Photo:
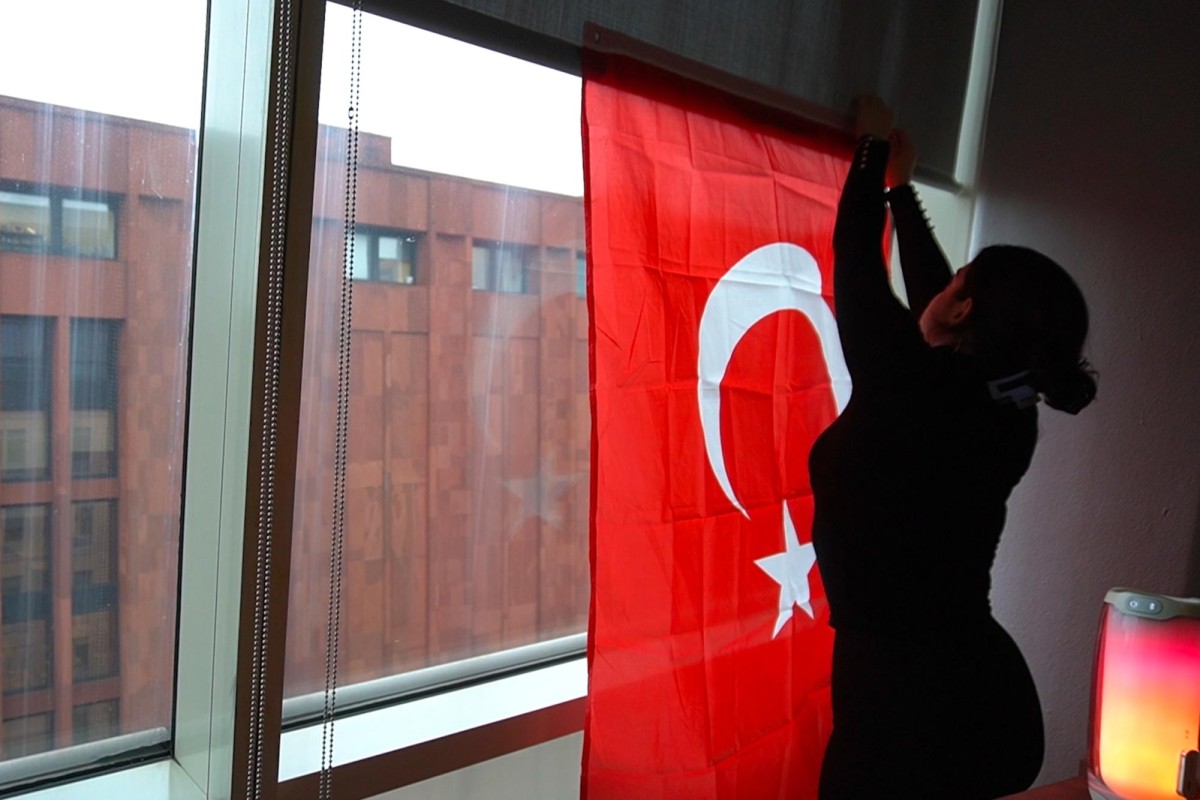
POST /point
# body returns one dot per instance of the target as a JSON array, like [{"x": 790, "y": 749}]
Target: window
[
  {"x": 26, "y": 351},
  {"x": 465, "y": 549},
  {"x": 57, "y": 221},
  {"x": 580, "y": 274},
  {"x": 25, "y": 599},
  {"x": 502, "y": 267},
  {"x": 94, "y": 590},
  {"x": 93, "y": 397},
  {"x": 27, "y": 735},
  {"x": 383, "y": 255},
  {"x": 89, "y": 228},
  {"x": 92, "y": 721},
  {"x": 24, "y": 222},
  {"x": 98, "y": 202}
]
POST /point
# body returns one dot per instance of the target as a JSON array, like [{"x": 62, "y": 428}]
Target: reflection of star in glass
[
  {"x": 540, "y": 495},
  {"x": 790, "y": 570}
]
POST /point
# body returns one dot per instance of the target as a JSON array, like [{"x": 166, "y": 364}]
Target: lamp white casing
[{"x": 1145, "y": 733}]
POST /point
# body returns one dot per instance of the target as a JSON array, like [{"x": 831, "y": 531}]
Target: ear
[{"x": 960, "y": 312}]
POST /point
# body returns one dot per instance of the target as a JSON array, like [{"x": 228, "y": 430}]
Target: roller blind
[{"x": 915, "y": 53}]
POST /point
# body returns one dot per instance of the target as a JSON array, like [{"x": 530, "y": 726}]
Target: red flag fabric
[{"x": 715, "y": 365}]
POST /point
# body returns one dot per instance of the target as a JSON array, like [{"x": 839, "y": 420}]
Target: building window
[
  {"x": 26, "y": 345},
  {"x": 502, "y": 267},
  {"x": 57, "y": 221},
  {"x": 25, "y": 598},
  {"x": 24, "y": 222},
  {"x": 25, "y": 736},
  {"x": 94, "y": 397},
  {"x": 385, "y": 255},
  {"x": 94, "y": 590},
  {"x": 91, "y": 722},
  {"x": 580, "y": 274}
]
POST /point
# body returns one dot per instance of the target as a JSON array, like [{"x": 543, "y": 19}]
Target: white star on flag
[{"x": 790, "y": 570}]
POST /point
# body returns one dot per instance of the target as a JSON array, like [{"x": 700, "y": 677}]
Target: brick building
[{"x": 467, "y": 455}]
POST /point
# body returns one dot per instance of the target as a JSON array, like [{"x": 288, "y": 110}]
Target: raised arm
[
  {"x": 926, "y": 271},
  {"x": 880, "y": 340}
]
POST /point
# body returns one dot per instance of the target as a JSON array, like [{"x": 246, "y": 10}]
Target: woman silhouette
[{"x": 931, "y": 697}]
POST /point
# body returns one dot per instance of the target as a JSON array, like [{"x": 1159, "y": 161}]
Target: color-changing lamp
[{"x": 1146, "y": 699}]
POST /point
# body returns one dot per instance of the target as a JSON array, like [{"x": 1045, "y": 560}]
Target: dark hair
[{"x": 1028, "y": 314}]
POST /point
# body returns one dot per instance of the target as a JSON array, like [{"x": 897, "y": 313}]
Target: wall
[{"x": 1091, "y": 156}]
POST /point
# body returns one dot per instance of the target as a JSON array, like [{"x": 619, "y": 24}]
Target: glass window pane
[
  {"x": 511, "y": 268},
  {"x": 92, "y": 721},
  {"x": 89, "y": 229},
  {"x": 389, "y": 248},
  {"x": 362, "y": 255},
  {"x": 24, "y": 222},
  {"x": 94, "y": 590},
  {"x": 26, "y": 353},
  {"x": 397, "y": 258},
  {"x": 98, "y": 177},
  {"x": 482, "y": 267},
  {"x": 467, "y": 496},
  {"x": 93, "y": 378},
  {"x": 27, "y": 735},
  {"x": 25, "y": 597}
]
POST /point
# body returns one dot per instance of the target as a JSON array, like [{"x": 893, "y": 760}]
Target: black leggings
[{"x": 953, "y": 715}]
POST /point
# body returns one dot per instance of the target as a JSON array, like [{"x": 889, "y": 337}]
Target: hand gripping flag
[{"x": 715, "y": 364}]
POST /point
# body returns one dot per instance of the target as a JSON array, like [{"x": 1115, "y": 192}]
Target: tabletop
[{"x": 1074, "y": 789}]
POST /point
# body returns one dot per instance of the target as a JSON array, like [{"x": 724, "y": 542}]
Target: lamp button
[{"x": 1144, "y": 605}]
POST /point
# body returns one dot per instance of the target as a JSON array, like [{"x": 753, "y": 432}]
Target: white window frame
[{"x": 233, "y": 165}]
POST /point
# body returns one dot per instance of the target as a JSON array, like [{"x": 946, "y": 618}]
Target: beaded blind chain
[
  {"x": 282, "y": 108},
  {"x": 341, "y": 431}
]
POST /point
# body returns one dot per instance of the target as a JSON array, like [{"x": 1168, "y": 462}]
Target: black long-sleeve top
[{"x": 910, "y": 482}]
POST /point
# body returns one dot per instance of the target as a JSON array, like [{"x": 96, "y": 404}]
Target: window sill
[
  {"x": 158, "y": 780},
  {"x": 387, "y": 748},
  {"x": 410, "y": 742}
]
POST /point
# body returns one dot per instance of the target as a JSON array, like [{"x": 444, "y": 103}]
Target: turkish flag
[{"x": 715, "y": 364}]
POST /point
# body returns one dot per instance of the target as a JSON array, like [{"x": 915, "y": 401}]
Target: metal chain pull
[
  {"x": 281, "y": 135},
  {"x": 341, "y": 433}
]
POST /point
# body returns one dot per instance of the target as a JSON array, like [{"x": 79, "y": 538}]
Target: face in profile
[{"x": 946, "y": 313}]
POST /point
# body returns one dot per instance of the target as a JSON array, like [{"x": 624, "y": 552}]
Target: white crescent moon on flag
[{"x": 776, "y": 277}]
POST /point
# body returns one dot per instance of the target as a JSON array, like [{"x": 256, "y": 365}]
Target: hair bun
[{"x": 1069, "y": 390}]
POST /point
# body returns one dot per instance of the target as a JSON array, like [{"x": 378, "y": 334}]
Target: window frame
[
  {"x": 56, "y": 196},
  {"x": 112, "y": 331},
  {"x": 47, "y": 328},
  {"x": 113, "y": 603},
  {"x": 499, "y": 255},
  {"x": 41, "y": 601},
  {"x": 233, "y": 169},
  {"x": 406, "y": 237},
  {"x": 538, "y": 722}
]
